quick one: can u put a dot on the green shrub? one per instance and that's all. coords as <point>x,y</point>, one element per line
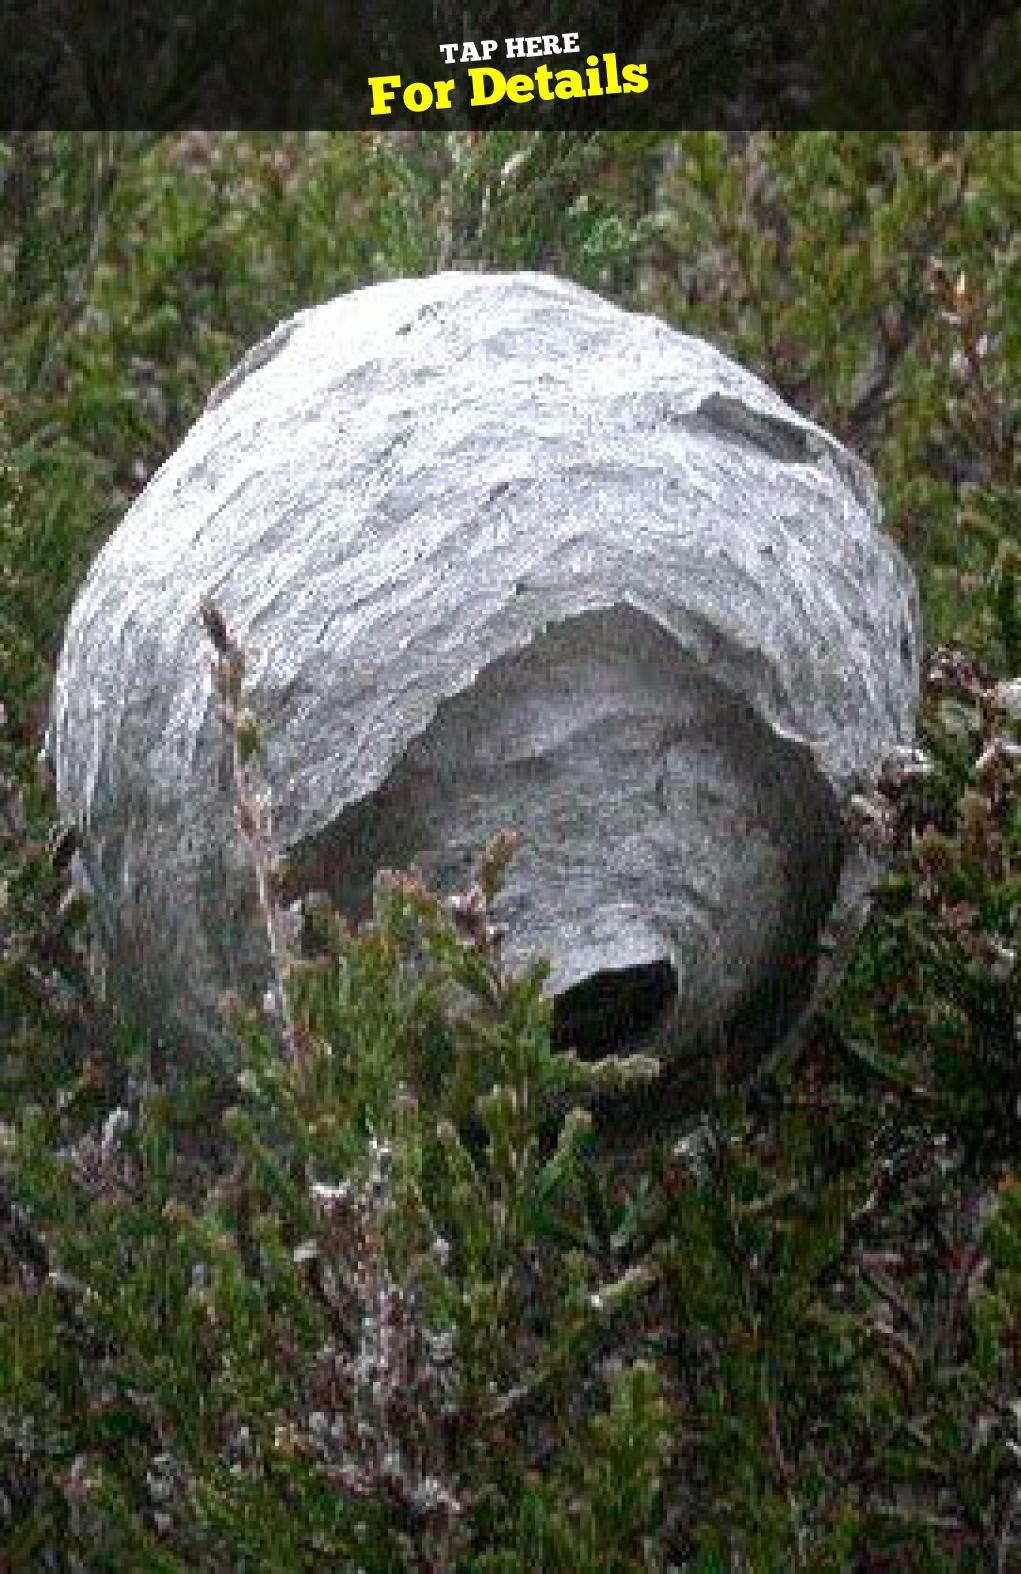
<point>402,1295</point>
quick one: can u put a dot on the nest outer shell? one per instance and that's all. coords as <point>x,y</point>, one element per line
<point>402,500</point>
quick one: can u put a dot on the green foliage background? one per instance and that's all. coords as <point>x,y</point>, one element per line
<point>398,1300</point>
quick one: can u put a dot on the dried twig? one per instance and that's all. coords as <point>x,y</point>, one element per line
<point>253,811</point>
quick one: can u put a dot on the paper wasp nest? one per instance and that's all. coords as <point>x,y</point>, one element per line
<point>499,554</point>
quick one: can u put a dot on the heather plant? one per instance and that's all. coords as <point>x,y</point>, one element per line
<point>353,1301</point>
<point>407,1292</point>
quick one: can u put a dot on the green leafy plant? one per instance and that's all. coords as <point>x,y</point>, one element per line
<point>411,1290</point>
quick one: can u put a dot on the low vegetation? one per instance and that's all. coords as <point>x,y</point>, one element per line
<point>403,1297</point>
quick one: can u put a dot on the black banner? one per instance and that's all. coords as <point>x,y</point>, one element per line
<point>585,64</point>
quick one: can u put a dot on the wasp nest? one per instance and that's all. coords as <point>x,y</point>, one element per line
<point>499,555</point>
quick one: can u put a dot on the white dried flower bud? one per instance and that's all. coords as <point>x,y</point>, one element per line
<point>116,1123</point>
<point>514,164</point>
<point>999,756</point>
<point>904,765</point>
<point>1006,697</point>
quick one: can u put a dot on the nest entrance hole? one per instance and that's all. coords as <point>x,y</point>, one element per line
<point>614,1010</point>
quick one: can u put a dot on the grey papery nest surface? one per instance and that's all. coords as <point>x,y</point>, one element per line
<point>499,554</point>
